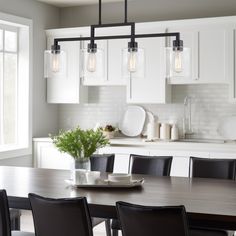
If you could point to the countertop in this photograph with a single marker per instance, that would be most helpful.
(197, 145)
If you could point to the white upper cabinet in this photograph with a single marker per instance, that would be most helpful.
(66, 89)
(210, 51)
(214, 54)
(152, 88)
(115, 75)
(112, 58)
(211, 41)
(112, 73)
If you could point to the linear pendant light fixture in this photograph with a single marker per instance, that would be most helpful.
(178, 57)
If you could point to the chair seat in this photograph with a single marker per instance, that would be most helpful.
(21, 233)
(207, 232)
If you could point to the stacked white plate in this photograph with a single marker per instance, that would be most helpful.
(149, 119)
(133, 121)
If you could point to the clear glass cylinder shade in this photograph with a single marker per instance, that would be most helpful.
(93, 64)
(133, 63)
(178, 63)
(55, 64)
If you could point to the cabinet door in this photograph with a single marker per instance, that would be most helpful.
(211, 47)
(122, 156)
(114, 61)
(152, 88)
(180, 162)
(214, 54)
(90, 78)
(232, 64)
(222, 155)
(121, 164)
(47, 156)
(180, 166)
(67, 89)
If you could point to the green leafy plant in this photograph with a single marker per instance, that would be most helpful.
(80, 144)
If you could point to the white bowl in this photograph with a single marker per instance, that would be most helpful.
(121, 178)
(108, 134)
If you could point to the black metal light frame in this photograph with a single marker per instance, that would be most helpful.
(92, 47)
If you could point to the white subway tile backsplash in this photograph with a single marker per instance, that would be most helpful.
(107, 104)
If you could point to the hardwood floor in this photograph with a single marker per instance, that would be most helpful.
(27, 224)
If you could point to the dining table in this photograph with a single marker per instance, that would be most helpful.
(208, 202)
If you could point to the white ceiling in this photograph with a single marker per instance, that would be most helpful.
(69, 3)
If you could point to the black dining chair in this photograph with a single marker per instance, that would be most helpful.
(103, 163)
(152, 221)
(5, 220)
(60, 217)
(150, 165)
(145, 165)
(212, 168)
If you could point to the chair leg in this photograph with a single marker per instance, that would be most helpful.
(17, 223)
(115, 232)
(15, 220)
(108, 227)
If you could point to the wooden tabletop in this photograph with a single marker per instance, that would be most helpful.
(210, 200)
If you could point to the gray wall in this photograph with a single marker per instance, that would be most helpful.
(147, 10)
(44, 17)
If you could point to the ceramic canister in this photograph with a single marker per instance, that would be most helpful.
(165, 131)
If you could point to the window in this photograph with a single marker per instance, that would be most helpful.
(8, 85)
(15, 73)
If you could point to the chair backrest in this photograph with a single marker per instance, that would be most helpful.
(60, 217)
(212, 168)
(5, 223)
(150, 165)
(152, 221)
(102, 163)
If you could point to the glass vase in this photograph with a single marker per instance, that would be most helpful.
(79, 167)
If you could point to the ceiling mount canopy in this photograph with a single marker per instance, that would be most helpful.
(133, 55)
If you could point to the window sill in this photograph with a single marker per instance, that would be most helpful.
(11, 151)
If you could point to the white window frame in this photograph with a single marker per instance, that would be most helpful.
(25, 72)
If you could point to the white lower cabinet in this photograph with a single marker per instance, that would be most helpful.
(122, 155)
(46, 155)
(180, 166)
(121, 164)
(222, 155)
